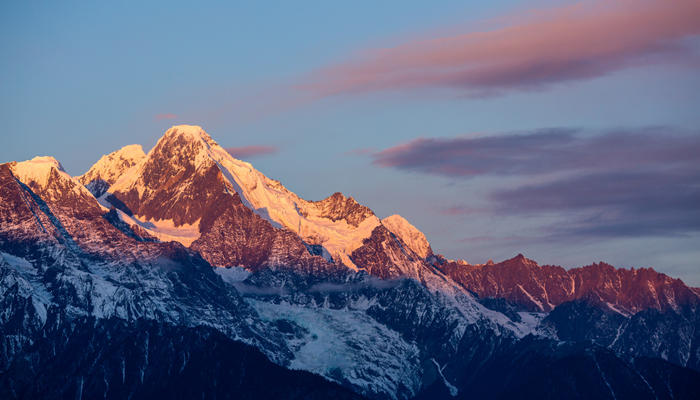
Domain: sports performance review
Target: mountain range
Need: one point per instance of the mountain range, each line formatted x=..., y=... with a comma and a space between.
x=186, y=272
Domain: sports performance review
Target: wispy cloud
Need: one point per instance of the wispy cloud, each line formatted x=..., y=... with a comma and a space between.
x=543, y=151
x=247, y=152
x=166, y=116
x=620, y=183
x=573, y=42
x=654, y=202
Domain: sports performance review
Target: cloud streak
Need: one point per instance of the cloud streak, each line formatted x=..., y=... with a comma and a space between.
x=247, y=152
x=569, y=43
x=540, y=152
x=620, y=183
x=662, y=202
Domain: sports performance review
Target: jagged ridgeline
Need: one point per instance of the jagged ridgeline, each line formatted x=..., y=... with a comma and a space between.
x=185, y=272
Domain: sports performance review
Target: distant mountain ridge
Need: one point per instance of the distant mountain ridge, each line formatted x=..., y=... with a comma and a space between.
x=542, y=288
x=188, y=237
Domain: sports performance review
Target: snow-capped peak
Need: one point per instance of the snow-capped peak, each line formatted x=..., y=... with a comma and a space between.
x=46, y=176
x=188, y=132
x=110, y=167
x=37, y=170
x=413, y=238
x=338, y=223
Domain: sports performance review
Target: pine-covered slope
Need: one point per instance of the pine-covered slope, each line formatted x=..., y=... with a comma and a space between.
x=114, y=359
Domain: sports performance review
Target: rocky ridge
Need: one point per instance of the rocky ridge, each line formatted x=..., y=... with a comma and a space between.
x=324, y=287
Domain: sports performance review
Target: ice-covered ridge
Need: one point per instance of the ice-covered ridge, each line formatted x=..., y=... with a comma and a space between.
x=37, y=170
x=410, y=235
x=267, y=197
x=270, y=199
x=38, y=173
x=111, y=166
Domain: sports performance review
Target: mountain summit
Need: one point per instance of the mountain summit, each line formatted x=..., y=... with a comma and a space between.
x=181, y=181
x=187, y=248
x=110, y=167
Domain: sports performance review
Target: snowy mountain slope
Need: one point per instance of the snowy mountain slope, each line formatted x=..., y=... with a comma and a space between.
x=164, y=282
x=46, y=177
x=400, y=322
x=333, y=343
x=413, y=238
x=176, y=288
x=338, y=224
x=327, y=317
x=171, y=190
x=64, y=256
x=110, y=167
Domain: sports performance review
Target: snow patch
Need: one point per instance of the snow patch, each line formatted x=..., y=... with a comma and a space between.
x=453, y=389
x=165, y=229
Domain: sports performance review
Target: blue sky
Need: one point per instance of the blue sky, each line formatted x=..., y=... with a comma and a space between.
x=79, y=80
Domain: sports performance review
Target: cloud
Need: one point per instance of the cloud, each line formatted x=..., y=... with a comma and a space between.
x=161, y=117
x=247, y=152
x=567, y=43
x=654, y=202
x=366, y=284
x=643, y=182
x=543, y=151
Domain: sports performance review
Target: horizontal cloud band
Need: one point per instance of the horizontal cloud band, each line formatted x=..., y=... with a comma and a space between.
x=573, y=42
x=620, y=183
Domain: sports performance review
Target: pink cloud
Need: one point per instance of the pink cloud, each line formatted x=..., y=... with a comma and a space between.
x=543, y=151
x=567, y=43
x=247, y=152
x=160, y=117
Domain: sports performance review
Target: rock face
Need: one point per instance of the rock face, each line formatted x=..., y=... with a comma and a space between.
x=233, y=235
x=195, y=275
x=671, y=335
x=542, y=288
x=386, y=256
x=338, y=207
